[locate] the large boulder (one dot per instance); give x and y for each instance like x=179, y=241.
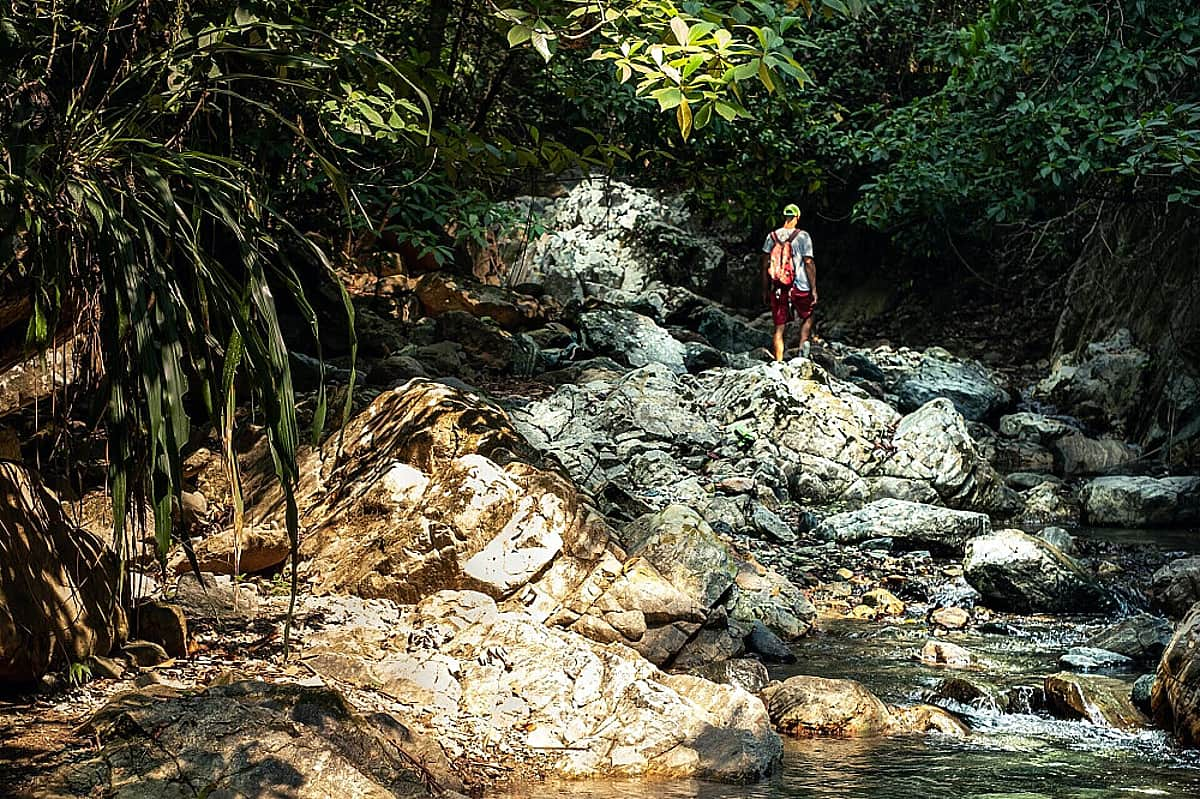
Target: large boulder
x=1175, y=699
x=685, y=550
x=912, y=524
x=1141, y=637
x=58, y=583
x=933, y=444
x=972, y=388
x=1018, y=572
x=729, y=333
x=818, y=707
x=439, y=292
x=1121, y=501
x=1101, y=385
x=1077, y=454
x=246, y=739
x=424, y=491
x=631, y=339
x=1103, y=701
x=1175, y=587
x=608, y=234
x=578, y=708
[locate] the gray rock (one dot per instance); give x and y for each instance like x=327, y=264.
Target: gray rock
x=1101, y=385
x=1089, y=658
x=1015, y=571
x=1142, y=693
x=970, y=386
x=1142, y=637
x=763, y=595
x=698, y=357
x=1050, y=502
x=1023, y=481
x=1142, y=501
x=1176, y=587
x=749, y=675
x=908, y=523
x=631, y=339
x=1027, y=426
x=728, y=333
x=768, y=644
x=682, y=546
x=1077, y=454
x=771, y=526
x=933, y=444
x=1063, y=541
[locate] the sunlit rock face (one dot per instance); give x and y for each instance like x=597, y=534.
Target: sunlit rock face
x=58, y=602
x=1175, y=698
x=579, y=707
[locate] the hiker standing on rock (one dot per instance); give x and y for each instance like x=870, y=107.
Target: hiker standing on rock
x=790, y=278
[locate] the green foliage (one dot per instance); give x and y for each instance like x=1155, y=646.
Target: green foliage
x=149, y=152
x=77, y=674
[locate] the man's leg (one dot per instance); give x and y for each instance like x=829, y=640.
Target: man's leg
x=779, y=342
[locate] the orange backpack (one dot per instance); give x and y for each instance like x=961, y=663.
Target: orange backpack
x=780, y=266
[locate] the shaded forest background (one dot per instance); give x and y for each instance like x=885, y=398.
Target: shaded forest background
x=180, y=182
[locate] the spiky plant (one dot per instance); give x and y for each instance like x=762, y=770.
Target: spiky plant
x=150, y=156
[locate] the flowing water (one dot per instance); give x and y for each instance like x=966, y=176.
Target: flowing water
x=1007, y=756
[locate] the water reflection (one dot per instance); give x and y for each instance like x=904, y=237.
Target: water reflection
x=1004, y=766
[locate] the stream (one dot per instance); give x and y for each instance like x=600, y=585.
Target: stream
x=1007, y=756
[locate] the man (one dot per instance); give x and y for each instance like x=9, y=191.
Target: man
x=800, y=296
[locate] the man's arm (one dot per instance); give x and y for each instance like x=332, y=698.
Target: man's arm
x=810, y=269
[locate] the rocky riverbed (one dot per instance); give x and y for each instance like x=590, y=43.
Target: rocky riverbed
x=586, y=530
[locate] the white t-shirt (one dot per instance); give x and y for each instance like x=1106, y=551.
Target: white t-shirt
x=801, y=248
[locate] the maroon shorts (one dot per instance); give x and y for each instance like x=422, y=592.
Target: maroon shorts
x=784, y=301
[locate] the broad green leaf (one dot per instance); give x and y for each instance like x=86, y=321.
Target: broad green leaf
x=519, y=34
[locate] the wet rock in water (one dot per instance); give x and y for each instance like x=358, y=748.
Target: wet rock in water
x=817, y=707
x=246, y=739
x=884, y=602
x=964, y=692
x=1077, y=454
x=1176, y=587
x=1059, y=538
x=1142, y=501
x=1142, y=694
x=911, y=523
x=768, y=644
x=631, y=339
x=57, y=583
x=683, y=547
x=971, y=387
x=951, y=618
x=1025, y=699
x=1175, y=699
x=1141, y=637
x=749, y=675
x=1090, y=658
x=163, y=623
x=1015, y=571
x=933, y=444
x=943, y=653
x=1101, y=385
x=1025, y=426
x=1103, y=701
x=577, y=707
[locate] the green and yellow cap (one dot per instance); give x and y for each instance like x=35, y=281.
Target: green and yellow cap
x=790, y=210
